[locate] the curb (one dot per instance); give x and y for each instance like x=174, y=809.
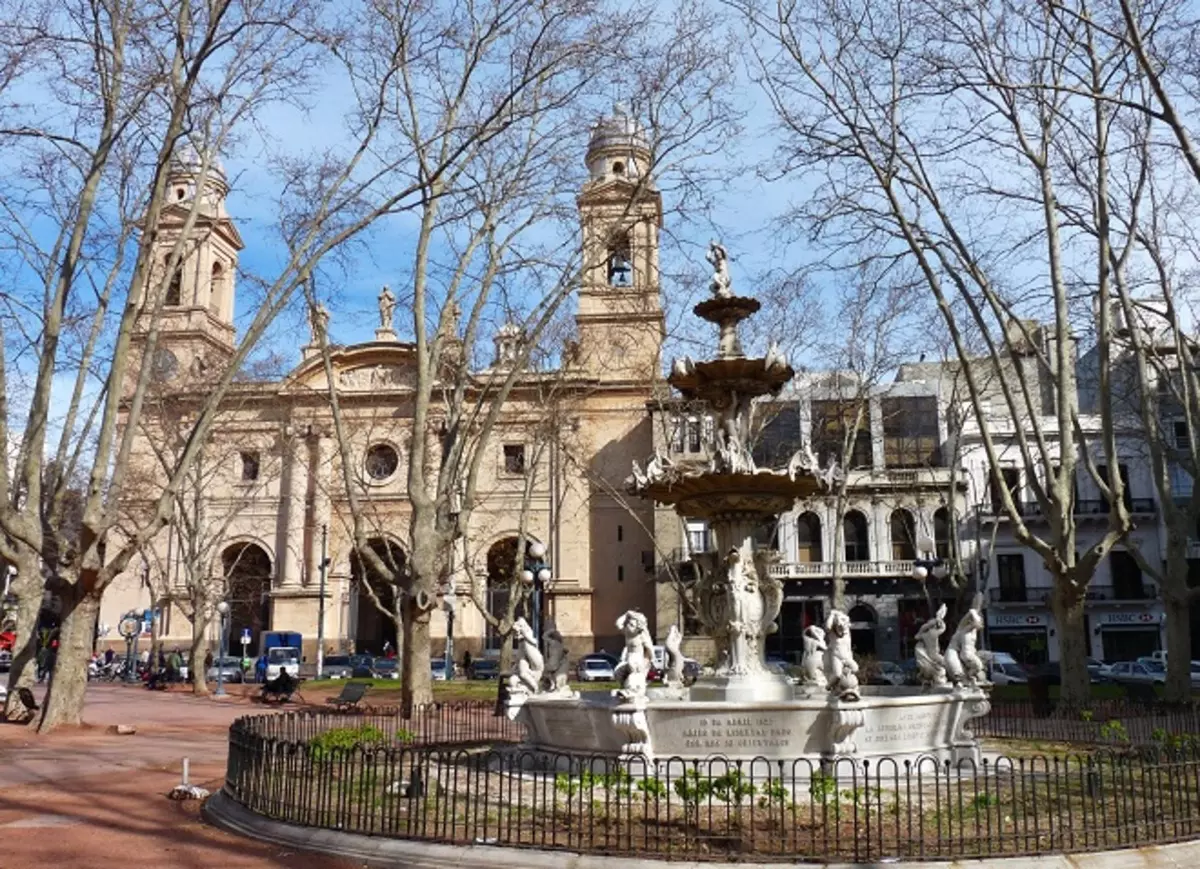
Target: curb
x=227, y=814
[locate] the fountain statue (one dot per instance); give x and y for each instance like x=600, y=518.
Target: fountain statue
x=745, y=710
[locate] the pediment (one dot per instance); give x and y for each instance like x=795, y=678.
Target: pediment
x=360, y=368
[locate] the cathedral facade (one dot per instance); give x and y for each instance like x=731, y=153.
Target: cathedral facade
x=267, y=515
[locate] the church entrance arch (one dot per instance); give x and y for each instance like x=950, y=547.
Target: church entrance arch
x=247, y=568
x=501, y=585
x=374, y=629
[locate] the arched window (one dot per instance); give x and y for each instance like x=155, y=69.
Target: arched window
x=247, y=569
x=620, y=264
x=808, y=538
x=174, y=285
x=941, y=532
x=375, y=607
x=854, y=529
x=904, y=536
x=217, y=288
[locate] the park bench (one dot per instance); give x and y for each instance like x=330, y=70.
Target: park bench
x=281, y=688
x=352, y=693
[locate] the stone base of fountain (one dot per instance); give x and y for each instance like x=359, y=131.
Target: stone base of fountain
x=899, y=724
x=750, y=688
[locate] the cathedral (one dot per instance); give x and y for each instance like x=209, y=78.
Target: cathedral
x=267, y=507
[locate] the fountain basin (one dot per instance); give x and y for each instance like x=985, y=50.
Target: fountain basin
x=896, y=723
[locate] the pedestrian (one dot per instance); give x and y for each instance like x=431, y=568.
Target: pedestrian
x=43, y=656
x=108, y=657
x=260, y=669
x=208, y=660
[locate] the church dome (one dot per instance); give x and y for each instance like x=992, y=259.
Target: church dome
x=187, y=161
x=618, y=146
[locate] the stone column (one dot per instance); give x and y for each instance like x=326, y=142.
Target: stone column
x=292, y=550
x=322, y=449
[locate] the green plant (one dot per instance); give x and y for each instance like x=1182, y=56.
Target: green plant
x=984, y=801
x=1086, y=714
x=405, y=737
x=691, y=788
x=652, y=787
x=1114, y=731
x=822, y=787
x=774, y=793
x=344, y=739
x=731, y=788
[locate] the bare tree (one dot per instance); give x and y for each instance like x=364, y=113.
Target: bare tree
x=971, y=201
x=124, y=87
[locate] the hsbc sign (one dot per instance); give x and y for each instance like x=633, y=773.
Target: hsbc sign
x=1142, y=618
x=1017, y=620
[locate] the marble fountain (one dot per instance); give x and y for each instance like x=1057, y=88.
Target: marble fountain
x=745, y=711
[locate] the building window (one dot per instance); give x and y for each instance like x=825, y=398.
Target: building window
x=620, y=267
x=620, y=533
x=217, y=288
x=910, y=432
x=382, y=461
x=1010, y=571
x=693, y=432
x=1126, y=576
x=514, y=458
x=697, y=537
x=250, y=467
x=676, y=435
x=174, y=285
x=808, y=538
x=1010, y=479
x=832, y=422
x=904, y=536
x=854, y=529
x=941, y=532
x=620, y=573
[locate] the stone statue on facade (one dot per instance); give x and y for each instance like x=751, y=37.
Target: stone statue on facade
x=558, y=667
x=930, y=662
x=527, y=677
x=636, y=658
x=841, y=670
x=674, y=649
x=721, y=285
x=318, y=324
x=387, y=305
x=965, y=665
x=812, y=664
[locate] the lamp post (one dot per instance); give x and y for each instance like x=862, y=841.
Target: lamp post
x=536, y=574
x=450, y=605
x=323, y=567
x=223, y=612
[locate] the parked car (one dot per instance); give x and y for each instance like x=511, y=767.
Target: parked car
x=437, y=669
x=595, y=668
x=484, y=668
x=1003, y=673
x=886, y=673
x=1097, y=669
x=386, y=668
x=1135, y=672
x=336, y=667
x=5, y=661
x=361, y=666
x=283, y=659
x=691, y=671
x=230, y=667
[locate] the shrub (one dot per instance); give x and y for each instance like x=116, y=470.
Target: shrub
x=344, y=739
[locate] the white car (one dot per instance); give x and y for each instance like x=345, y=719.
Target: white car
x=593, y=668
x=283, y=659
x=1007, y=674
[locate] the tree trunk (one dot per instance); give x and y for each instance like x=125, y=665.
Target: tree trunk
x=417, y=684
x=1068, y=609
x=68, y=682
x=27, y=586
x=199, y=642
x=1177, y=603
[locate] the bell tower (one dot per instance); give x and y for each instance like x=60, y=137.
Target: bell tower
x=195, y=321
x=620, y=319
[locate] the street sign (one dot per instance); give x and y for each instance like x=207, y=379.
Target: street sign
x=245, y=636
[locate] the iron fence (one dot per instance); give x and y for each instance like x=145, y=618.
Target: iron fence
x=377, y=775
x=1111, y=722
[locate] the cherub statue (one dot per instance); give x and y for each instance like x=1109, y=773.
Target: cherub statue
x=636, y=657
x=528, y=676
x=638, y=479
x=721, y=286
x=930, y=662
x=674, y=646
x=812, y=671
x=964, y=664
x=841, y=670
x=557, y=671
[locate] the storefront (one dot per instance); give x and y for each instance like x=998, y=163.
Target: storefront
x=1025, y=636
x=1127, y=636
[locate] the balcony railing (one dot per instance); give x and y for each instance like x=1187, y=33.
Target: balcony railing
x=1087, y=507
x=1096, y=594
x=824, y=569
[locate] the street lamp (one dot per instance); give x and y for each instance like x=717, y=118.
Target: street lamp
x=450, y=605
x=223, y=612
x=536, y=574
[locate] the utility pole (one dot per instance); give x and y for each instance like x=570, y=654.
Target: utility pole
x=323, y=566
